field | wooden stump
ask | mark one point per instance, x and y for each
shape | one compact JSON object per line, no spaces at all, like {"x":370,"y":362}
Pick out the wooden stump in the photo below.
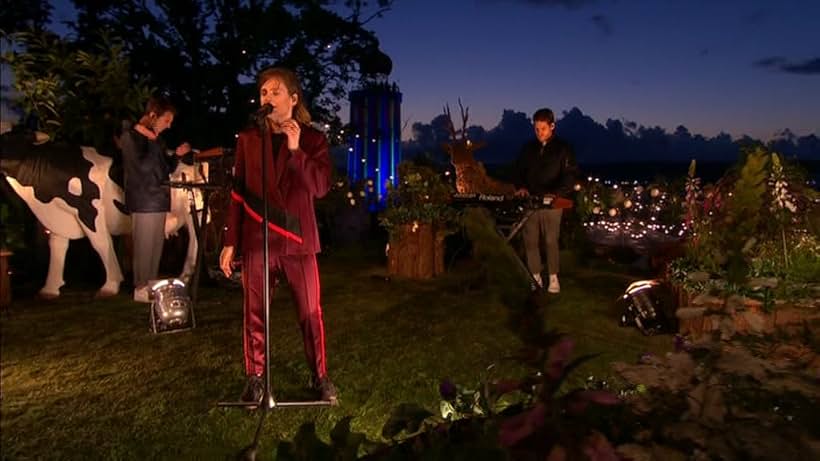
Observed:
{"x":682,"y":297}
{"x":416,"y":251}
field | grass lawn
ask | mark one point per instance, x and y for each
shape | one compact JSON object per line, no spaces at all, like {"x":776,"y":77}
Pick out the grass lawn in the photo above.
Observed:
{"x":85,"y":379}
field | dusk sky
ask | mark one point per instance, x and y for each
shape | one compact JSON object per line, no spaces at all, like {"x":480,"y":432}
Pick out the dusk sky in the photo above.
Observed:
{"x":742,"y":67}
{"x":738,"y":66}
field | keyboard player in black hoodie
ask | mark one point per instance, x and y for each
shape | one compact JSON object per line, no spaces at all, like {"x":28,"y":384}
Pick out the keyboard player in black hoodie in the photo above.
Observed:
{"x":546,"y":168}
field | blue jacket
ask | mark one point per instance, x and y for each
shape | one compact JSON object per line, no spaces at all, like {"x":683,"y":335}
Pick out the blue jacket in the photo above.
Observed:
{"x":147,"y":168}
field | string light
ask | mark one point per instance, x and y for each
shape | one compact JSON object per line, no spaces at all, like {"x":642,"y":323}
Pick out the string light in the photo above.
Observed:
{"x":634,"y":219}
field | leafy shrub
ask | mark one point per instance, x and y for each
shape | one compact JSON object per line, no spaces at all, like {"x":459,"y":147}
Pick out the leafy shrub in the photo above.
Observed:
{"x":755,"y":222}
{"x":76,"y":95}
{"x":421,"y":197}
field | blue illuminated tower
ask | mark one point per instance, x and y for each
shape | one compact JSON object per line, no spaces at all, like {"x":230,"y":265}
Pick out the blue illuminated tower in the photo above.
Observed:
{"x":374,"y":135}
{"x":375,"y":140}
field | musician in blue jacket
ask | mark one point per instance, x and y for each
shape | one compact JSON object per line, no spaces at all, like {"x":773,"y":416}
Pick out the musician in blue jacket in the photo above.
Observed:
{"x":147,"y":196}
{"x":545,"y":168}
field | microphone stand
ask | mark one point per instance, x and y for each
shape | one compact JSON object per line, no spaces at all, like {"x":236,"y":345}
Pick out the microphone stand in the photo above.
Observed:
{"x":268,"y":402}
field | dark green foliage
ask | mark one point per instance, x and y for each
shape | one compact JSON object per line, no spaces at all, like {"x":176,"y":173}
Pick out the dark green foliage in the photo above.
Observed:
{"x":422,"y":197}
{"x":498,"y":260}
{"x":207,"y":54}
{"x":204,"y":54}
{"x":11,"y":226}
{"x":744,"y":212}
{"x":407,"y":417}
{"x":724,"y":239}
{"x":755,"y":223}
{"x":77,"y":94}
{"x":33,"y":14}
{"x":306,"y":446}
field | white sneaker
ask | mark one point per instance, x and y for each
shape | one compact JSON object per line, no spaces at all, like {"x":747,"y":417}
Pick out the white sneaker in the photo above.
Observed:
{"x":141,"y":295}
{"x":538,"y":281}
{"x":554,"y":286}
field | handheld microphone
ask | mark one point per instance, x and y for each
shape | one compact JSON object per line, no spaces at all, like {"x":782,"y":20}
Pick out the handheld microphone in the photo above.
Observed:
{"x":263,"y":112}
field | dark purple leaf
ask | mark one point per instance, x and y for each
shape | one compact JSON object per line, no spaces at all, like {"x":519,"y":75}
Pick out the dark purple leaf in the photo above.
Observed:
{"x":521,"y":426}
{"x":578,"y":401}
{"x":558,"y":356}
{"x":597,"y":448}
{"x":601,"y":397}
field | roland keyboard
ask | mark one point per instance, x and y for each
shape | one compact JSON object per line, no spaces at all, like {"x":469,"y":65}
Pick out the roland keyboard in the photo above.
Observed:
{"x":510,"y":201}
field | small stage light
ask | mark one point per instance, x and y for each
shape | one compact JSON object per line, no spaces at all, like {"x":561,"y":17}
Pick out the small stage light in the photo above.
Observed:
{"x":650,"y":306}
{"x":171,"y":308}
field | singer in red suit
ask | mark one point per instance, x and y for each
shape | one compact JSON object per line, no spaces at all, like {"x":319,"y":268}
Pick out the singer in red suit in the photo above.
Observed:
{"x":298,"y":170}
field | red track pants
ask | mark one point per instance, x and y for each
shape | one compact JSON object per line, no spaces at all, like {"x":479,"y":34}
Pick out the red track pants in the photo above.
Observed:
{"x":302,"y":273}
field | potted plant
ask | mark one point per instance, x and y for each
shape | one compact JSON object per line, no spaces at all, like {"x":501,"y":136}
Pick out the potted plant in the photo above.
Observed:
{"x":417,"y":217}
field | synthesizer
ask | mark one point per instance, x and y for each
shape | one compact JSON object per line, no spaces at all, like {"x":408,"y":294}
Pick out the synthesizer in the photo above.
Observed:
{"x":510,"y":201}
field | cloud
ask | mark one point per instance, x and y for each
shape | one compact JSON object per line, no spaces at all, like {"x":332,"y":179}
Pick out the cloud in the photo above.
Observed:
{"x":781,"y":64}
{"x":757,"y":17}
{"x":603,"y":24}
{"x":771,"y":62}
{"x":811,"y":66}
{"x":568,"y":4}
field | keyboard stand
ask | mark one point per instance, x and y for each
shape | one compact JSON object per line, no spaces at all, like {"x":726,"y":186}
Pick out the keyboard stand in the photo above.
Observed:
{"x":508,"y":230}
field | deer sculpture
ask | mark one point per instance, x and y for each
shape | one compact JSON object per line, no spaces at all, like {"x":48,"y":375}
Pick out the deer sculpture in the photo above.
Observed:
{"x":471,"y":176}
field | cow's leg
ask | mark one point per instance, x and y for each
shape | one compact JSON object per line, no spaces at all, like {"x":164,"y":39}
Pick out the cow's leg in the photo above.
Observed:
{"x":104,"y":245}
{"x":58,"y":246}
{"x":193,"y":246}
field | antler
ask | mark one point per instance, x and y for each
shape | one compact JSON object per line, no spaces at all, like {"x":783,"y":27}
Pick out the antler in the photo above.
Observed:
{"x":450,"y":127}
{"x":465,"y":114}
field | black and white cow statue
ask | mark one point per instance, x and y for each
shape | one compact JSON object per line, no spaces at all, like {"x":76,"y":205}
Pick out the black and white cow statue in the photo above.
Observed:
{"x":73,"y":192}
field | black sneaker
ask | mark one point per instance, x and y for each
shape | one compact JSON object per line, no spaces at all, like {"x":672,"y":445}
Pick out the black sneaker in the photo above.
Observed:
{"x":254,"y":391}
{"x":327,"y":390}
